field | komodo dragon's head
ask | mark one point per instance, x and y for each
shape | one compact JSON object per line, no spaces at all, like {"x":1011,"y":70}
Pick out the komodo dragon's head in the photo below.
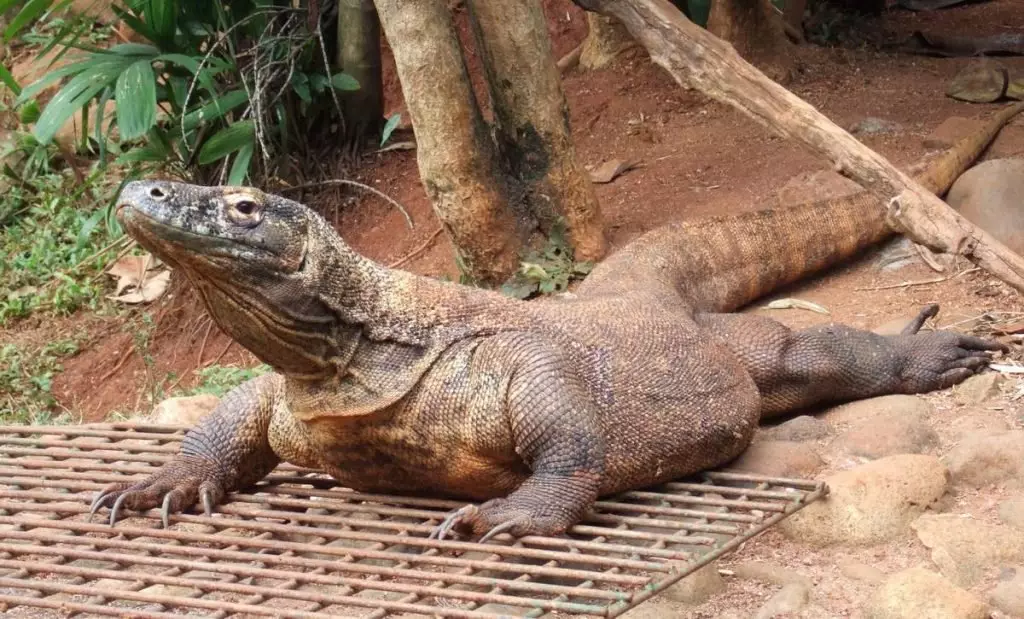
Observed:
{"x":258,"y":261}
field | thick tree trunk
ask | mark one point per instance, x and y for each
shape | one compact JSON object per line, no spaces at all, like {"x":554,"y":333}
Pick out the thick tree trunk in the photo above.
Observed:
{"x":755,"y":32}
{"x":606,"y":39}
{"x":455,"y":156}
{"x":358,"y":55}
{"x":531,"y":120}
{"x":699,"y":60}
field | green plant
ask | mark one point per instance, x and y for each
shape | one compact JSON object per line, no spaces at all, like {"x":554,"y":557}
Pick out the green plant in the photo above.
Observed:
{"x":219,"y":379}
{"x":547,"y":271}
{"x":52,"y":246}
{"x":223,"y":88}
{"x":26,"y":380}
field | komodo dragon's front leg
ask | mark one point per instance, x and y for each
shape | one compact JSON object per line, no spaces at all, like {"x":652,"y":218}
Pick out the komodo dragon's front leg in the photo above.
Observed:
{"x":834,"y":363}
{"x":227,"y":450}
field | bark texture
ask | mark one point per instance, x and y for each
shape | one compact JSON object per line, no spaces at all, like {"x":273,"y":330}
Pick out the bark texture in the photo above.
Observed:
{"x":698,"y":59}
{"x":359,"y":56}
{"x":455,"y":155}
{"x":531,"y":122}
{"x":756,"y":34}
{"x":606,"y":39}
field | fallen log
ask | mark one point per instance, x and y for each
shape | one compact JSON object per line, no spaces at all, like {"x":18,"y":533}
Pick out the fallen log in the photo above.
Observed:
{"x":697,"y":59}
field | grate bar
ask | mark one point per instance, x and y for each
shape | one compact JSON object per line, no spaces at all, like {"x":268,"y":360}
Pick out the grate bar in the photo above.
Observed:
{"x":296,"y":545}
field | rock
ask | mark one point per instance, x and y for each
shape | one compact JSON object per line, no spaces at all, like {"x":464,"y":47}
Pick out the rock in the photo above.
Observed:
{"x":186,"y":410}
{"x":788,"y":601}
{"x":892,"y":405}
{"x":980,"y":388}
{"x":799,"y":429}
{"x":1006,"y":144}
{"x":1008,"y":595}
{"x":987,"y":458}
{"x":863,"y":572}
{"x":887,"y":433}
{"x":812,"y":186}
{"x":989,"y":196}
{"x":1011,"y":512}
{"x":875,"y":126}
{"x":697,"y":587}
{"x":964,"y":548}
{"x":872,"y":503}
{"x":770,"y":574}
{"x":916,"y":593}
{"x":778,"y":459}
{"x":976,"y":421}
{"x":981,"y":81}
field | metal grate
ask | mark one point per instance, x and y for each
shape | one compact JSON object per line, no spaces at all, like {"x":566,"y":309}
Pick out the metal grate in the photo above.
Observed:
{"x":297,"y":546}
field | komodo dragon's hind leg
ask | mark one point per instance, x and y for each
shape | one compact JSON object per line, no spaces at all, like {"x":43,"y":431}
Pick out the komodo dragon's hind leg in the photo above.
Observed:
{"x":833,"y":363}
{"x":227,"y":450}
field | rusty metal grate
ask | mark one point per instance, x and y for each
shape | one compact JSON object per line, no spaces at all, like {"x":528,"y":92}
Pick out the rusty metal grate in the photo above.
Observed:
{"x":297,"y":546}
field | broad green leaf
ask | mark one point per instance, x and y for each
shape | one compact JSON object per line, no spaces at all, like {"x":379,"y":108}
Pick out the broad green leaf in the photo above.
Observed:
{"x":215,"y":109}
{"x":389,"y":127}
{"x":318,"y":82}
{"x":6,"y":4}
{"x":300,"y":83}
{"x":75,"y":95}
{"x":160,"y":15}
{"x":31,"y":10}
{"x":344,"y":81}
{"x":135,"y":49}
{"x":205,"y":75}
{"x":87,"y":228}
{"x":240,"y":167}
{"x":134,"y":23}
{"x":154,"y":151}
{"x":29,"y":113}
{"x":135,"y":96}
{"x":227,"y":141}
{"x":9,"y":81}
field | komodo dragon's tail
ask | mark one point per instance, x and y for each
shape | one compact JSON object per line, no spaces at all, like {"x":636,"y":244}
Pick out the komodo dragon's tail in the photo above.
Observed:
{"x":720,"y":264}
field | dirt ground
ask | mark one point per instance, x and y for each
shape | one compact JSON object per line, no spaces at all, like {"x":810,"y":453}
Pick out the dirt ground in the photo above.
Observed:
{"x":698,"y":158}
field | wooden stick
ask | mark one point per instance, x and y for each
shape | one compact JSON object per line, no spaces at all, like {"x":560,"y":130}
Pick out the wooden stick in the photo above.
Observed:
{"x":697,"y":59}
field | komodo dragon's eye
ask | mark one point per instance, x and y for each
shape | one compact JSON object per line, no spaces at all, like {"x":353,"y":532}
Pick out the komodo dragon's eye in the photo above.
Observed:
{"x":243,"y":211}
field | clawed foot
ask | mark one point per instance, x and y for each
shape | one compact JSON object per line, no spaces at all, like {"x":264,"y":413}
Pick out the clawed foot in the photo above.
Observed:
{"x":176,"y":487}
{"x":941,"y":359}
{"x":493,"y":518}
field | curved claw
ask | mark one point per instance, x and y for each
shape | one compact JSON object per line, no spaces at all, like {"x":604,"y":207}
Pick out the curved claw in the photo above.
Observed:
{"x":928,"y":311}
{"x":497,"y":530}
{"x":97,"y":503}
{"x":448,"y":524}
{"x":116,"y":508}
{"x":165,"y":507}
{"x":207,"y":497}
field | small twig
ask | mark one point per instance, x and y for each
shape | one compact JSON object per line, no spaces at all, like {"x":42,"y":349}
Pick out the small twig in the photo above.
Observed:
{"x":928,"y":258}
{"x":569,"y":61}
{"x":202,"y":347}
{"x":120,"y":363}
{"x":222,"y":353}
{"x":921,"y":282}
{"x":120,"y":254}
{"x":419,"y":248}
{"x":345,"y":181}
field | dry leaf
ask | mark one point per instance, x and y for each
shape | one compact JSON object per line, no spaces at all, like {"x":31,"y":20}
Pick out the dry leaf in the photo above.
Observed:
{"x":154,"y":286}
{"x":398,"y":146}
{"x":796,"y":304}
{"x":610,"y":170}
{"x":138,"y":274}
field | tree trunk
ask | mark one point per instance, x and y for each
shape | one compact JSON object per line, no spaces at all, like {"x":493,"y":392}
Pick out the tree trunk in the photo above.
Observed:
{"x":606,"y":39}
{"x":755,"y":32}
{"x":699,"y":60}
{"x":456,"y":158}
{"x":531,"y":120}
{"x":358,"y":54}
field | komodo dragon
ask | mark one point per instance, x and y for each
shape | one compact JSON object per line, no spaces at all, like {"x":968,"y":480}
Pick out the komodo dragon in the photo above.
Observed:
{"x":393,"y":382}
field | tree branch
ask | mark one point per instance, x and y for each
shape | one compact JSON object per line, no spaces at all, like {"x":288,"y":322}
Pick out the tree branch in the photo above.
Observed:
{"x":697,"y":59}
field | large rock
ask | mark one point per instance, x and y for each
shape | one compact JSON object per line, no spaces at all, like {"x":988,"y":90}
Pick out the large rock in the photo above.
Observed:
{"x":697,"y":587}
{"x":986,"y":458}
{"x":862,"y":410}
{"x":785,"y":603}
{"x":186,"y":410}
{"x":872,"y":503}
{"x":779,"y":459}
{"x":989,"y":195}
{"x":964,"y":548}
{"x":1008,"y":595}
{"x":975,"y":421}
{"x":798,"y":430}
{"x":918,"y":593}
{"x":1006,"y":144}
{"x":980,"y":388}
{"x":888,"y":432}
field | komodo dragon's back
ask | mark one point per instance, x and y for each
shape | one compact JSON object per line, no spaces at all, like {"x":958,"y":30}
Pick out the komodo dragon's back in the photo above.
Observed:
{"x":394,"y":382}
{"x":722,"y":263}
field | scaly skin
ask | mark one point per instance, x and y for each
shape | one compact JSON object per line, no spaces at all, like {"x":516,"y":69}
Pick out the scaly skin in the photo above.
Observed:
{"x":392,"y":382}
